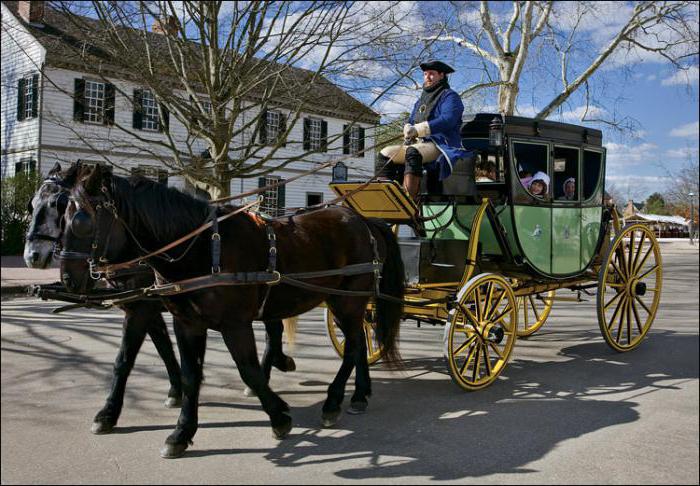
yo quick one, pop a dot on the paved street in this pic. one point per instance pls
(567, 410)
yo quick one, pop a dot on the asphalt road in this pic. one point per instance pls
(566, 410)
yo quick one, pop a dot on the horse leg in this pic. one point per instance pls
(240, 341)
(159, 335)
(133, 334)
(192, 344)
(363, 384)
(273, 354)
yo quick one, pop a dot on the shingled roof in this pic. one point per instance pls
(67, 47)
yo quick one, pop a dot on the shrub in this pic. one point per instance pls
(17, 191)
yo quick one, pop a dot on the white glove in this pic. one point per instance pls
(409, 132)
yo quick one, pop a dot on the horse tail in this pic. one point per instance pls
(389, 312)
(290, 329)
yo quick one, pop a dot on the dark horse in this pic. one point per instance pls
(115, 218)
(47, 209)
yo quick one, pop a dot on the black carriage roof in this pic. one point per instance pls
(477, 125)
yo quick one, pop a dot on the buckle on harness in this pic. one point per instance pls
(277, 277)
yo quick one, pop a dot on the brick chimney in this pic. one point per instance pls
(31, 12)
(168, 25)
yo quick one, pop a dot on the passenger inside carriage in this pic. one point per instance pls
(539, 185)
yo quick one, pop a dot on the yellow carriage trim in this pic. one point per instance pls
(383, 199)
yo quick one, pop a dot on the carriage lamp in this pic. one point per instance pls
(496, 132)
(340, 172)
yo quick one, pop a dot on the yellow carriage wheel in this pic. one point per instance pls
(338, 338)
(481, 331)
(533, 311)
(629, 287)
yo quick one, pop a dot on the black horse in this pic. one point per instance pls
(113, 218)
(47, 209)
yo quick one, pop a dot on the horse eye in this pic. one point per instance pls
(81, 225)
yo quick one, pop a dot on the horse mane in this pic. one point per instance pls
(165, 212)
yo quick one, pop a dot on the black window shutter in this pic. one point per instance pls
(20, 99)
(164, 124)
(32, 166)
(262, 128)
(261, 182)
(307, 134)
(282, 129)
(35, 95)
(79, 100)
(138, 109)
(346, 139)
(362, 141)
(280, 199)
(109, 104)
(324, 136)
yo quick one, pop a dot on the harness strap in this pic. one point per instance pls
(271, 263)
(215, 242)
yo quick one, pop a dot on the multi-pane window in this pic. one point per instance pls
(272, 125)
(25, 165)
(94, 102)
(27, 97)
(273, 198)
(149, 107)
(353, 140)
(151, 172)
(29, 93)
(315, 134)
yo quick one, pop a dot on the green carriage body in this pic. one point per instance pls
(540, 237)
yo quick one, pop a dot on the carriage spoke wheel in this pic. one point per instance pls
(533, 311)
(629, 288)
(481, 331)
(338, 338)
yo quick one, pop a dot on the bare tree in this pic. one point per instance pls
(562, 47)
(684, 184)
(217, 67)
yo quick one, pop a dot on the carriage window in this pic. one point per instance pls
(565, 167)
(487, 166)
(530, 159)
(592, 162)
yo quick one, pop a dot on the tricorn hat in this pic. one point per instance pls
(438, 66)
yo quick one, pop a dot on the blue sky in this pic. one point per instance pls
(634, 85)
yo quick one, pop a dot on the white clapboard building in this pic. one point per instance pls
(55, 110)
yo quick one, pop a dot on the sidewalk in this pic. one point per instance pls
(16, 277)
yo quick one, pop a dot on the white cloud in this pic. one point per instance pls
(622, 158)
(687, 130)
(589, 111)
(400, 100)
(682, 77)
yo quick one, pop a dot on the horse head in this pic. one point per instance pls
(46, 208)
(93, 234)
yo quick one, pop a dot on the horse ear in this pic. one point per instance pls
(91, 179)
(55, 170)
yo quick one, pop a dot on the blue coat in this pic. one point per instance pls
(445, 123)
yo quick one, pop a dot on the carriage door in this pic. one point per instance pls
(566, 211)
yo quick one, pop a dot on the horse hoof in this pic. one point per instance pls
(173, 402)
(173, 451)
(286, 364)
(290, 365)
(357, 408)
(249, 392)
(101, 428)
(281, 431)
(329, 419)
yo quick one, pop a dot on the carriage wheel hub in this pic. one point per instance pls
(640, 288)
(495, 334)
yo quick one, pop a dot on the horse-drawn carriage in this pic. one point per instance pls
(492, 254)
